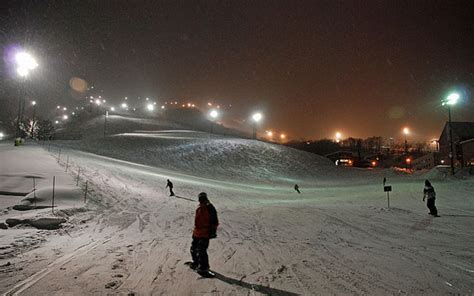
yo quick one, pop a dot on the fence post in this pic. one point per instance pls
(85, 192)
(78, 174)
(67, 162)
(54, 184)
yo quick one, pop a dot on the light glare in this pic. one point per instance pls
(257, 117)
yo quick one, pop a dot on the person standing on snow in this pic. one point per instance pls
(430, 194)
(170, 185)
(297, 188)
(205, 227)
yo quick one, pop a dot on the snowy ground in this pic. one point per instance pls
(337, 237)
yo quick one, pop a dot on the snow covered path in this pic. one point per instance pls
(328, 240)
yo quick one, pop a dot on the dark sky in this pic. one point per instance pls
(313, 67)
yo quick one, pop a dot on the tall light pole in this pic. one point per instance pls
(105, 122)
(406, 132)
(33, 119)
(256, 117)
(450, 100)
(213, 115)
(24, 63)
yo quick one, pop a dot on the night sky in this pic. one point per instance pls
(364, 68)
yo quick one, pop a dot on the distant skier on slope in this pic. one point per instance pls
(430, 194)
(297, 188)
(205, 227)
(169, 185)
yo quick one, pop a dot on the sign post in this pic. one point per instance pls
(388, 189)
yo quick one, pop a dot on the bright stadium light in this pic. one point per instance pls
(452, 99)
(257, 117)
(25, 63)
(213, 114)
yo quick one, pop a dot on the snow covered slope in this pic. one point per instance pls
(202, 154)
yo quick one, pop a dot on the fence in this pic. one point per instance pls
(75, 170)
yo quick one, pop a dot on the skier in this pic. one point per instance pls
(430, 194)
(205, 227)
(297, 188)
(170, 185)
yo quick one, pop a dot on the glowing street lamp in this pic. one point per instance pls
(150, 107)
(270, 134)
(65, 117)
(124, 106)
(451, 100)
(98, 102)
(283, 137)
(256, 117)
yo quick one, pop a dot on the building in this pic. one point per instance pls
(427, 161)
(467, 150)
(463, 134)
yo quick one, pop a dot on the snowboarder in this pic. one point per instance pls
(170, 185)
(297, 188)
(430, 194)
(205, 227)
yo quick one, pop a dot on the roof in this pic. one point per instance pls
(463, 130)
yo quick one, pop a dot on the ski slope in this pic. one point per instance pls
(337, 237)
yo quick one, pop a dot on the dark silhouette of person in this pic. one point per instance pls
(430, 195)
(205, 227)
(297, 188)
(169, 185)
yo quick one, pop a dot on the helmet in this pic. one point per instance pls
(202, 196)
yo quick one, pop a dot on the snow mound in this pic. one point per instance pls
(64, 197)
(212, 156)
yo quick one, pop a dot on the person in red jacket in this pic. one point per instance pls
(205, 226)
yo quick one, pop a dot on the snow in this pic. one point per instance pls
(337, 237)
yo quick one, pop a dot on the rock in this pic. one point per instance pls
(13, 222)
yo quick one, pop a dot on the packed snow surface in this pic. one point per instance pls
(336, 237)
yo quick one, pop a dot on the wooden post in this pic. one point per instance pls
(52, 204)
(34, 189)
(78, 174)
(59, 155)
(85, 192)
(67, 162)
